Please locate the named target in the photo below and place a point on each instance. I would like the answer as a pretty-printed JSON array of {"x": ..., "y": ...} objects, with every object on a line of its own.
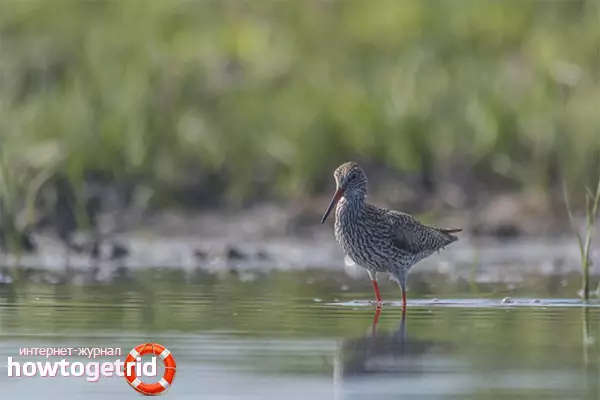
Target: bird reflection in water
[{"x": 380, "y": 353}]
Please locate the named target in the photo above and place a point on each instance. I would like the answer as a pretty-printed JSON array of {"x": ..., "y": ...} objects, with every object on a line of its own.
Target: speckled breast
[{"x": 362, "y": 246}]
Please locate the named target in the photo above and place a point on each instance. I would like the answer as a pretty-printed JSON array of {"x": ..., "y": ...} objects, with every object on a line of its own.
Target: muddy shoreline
[
  {"x": 271, "y": 237},
  {"x": 260, "y": 243}
]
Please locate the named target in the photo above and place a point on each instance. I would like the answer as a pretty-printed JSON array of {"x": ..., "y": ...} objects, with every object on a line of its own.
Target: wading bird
[{"x": 378, "y": 239}]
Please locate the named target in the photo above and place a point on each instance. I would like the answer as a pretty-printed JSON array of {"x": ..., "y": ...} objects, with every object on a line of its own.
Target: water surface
[{"x": 313, "y": 334}]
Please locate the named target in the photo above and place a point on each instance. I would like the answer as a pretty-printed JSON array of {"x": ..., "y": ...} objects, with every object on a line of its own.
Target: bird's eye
[{"x": 353, "y": 176}]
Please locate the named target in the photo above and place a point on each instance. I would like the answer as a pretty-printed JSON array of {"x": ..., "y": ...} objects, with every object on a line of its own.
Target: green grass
[
  {"x": 269, "y": 96},
  {"x": 592, "y": 204}
]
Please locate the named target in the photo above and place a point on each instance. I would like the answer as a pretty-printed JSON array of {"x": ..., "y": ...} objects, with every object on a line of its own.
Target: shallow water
[{"x": 312, "y": 334}]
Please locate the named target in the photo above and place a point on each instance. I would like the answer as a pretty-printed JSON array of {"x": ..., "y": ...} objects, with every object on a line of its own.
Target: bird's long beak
[{"x": 336, "y": 197}]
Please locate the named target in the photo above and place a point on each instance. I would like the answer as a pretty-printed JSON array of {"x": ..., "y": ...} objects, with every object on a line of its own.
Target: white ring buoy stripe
[
  {"x": 166, "y": 353},
  {"x": 164, "y": 383}
]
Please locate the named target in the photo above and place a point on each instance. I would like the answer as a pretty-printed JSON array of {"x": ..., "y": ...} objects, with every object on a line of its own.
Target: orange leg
[
  {"x": 403, "y": 302},
  {"x": 376, "y": 289}
]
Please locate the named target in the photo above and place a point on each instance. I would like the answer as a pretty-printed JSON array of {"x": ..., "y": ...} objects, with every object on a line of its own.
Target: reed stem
[{"x": 592, "y": 202}]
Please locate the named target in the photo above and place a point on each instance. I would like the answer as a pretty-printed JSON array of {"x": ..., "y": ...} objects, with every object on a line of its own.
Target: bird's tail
[
  {"x": 449, "y": 234},
  {"x": 449, "y": 231}
]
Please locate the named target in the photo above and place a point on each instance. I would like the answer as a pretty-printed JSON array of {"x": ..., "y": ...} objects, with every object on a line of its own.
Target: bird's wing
[
  {"x": 411, "y": 236},
  {"x": 408, "y": 233}
]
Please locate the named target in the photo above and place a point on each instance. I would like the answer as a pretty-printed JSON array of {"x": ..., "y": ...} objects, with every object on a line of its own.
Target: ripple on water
[{"x": 477, "y": 303}]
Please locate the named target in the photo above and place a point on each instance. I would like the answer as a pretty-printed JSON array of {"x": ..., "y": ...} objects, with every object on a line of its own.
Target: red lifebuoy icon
[{"x": 150, "y": 389}]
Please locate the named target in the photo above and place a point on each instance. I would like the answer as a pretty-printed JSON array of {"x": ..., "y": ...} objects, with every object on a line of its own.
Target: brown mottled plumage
[{"x": 378, "y": 239}]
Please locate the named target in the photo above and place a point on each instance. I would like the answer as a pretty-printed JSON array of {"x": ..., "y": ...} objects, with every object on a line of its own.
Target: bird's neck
[{"x": 350, "y": 207}]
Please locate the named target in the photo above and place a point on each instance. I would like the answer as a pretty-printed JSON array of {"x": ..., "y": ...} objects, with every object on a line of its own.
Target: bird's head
[{"x": 351, "y": 183}]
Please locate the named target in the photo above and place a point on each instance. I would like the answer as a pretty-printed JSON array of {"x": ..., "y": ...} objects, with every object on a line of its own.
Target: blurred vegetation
[
  {"x": 584, "y": 242},
  {"x": 238, "y": 99}
]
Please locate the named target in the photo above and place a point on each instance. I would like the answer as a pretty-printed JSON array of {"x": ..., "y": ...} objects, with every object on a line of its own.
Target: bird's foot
[
  {"x": 380, "y": 303},
  {"x": 375, "y": 302}
]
